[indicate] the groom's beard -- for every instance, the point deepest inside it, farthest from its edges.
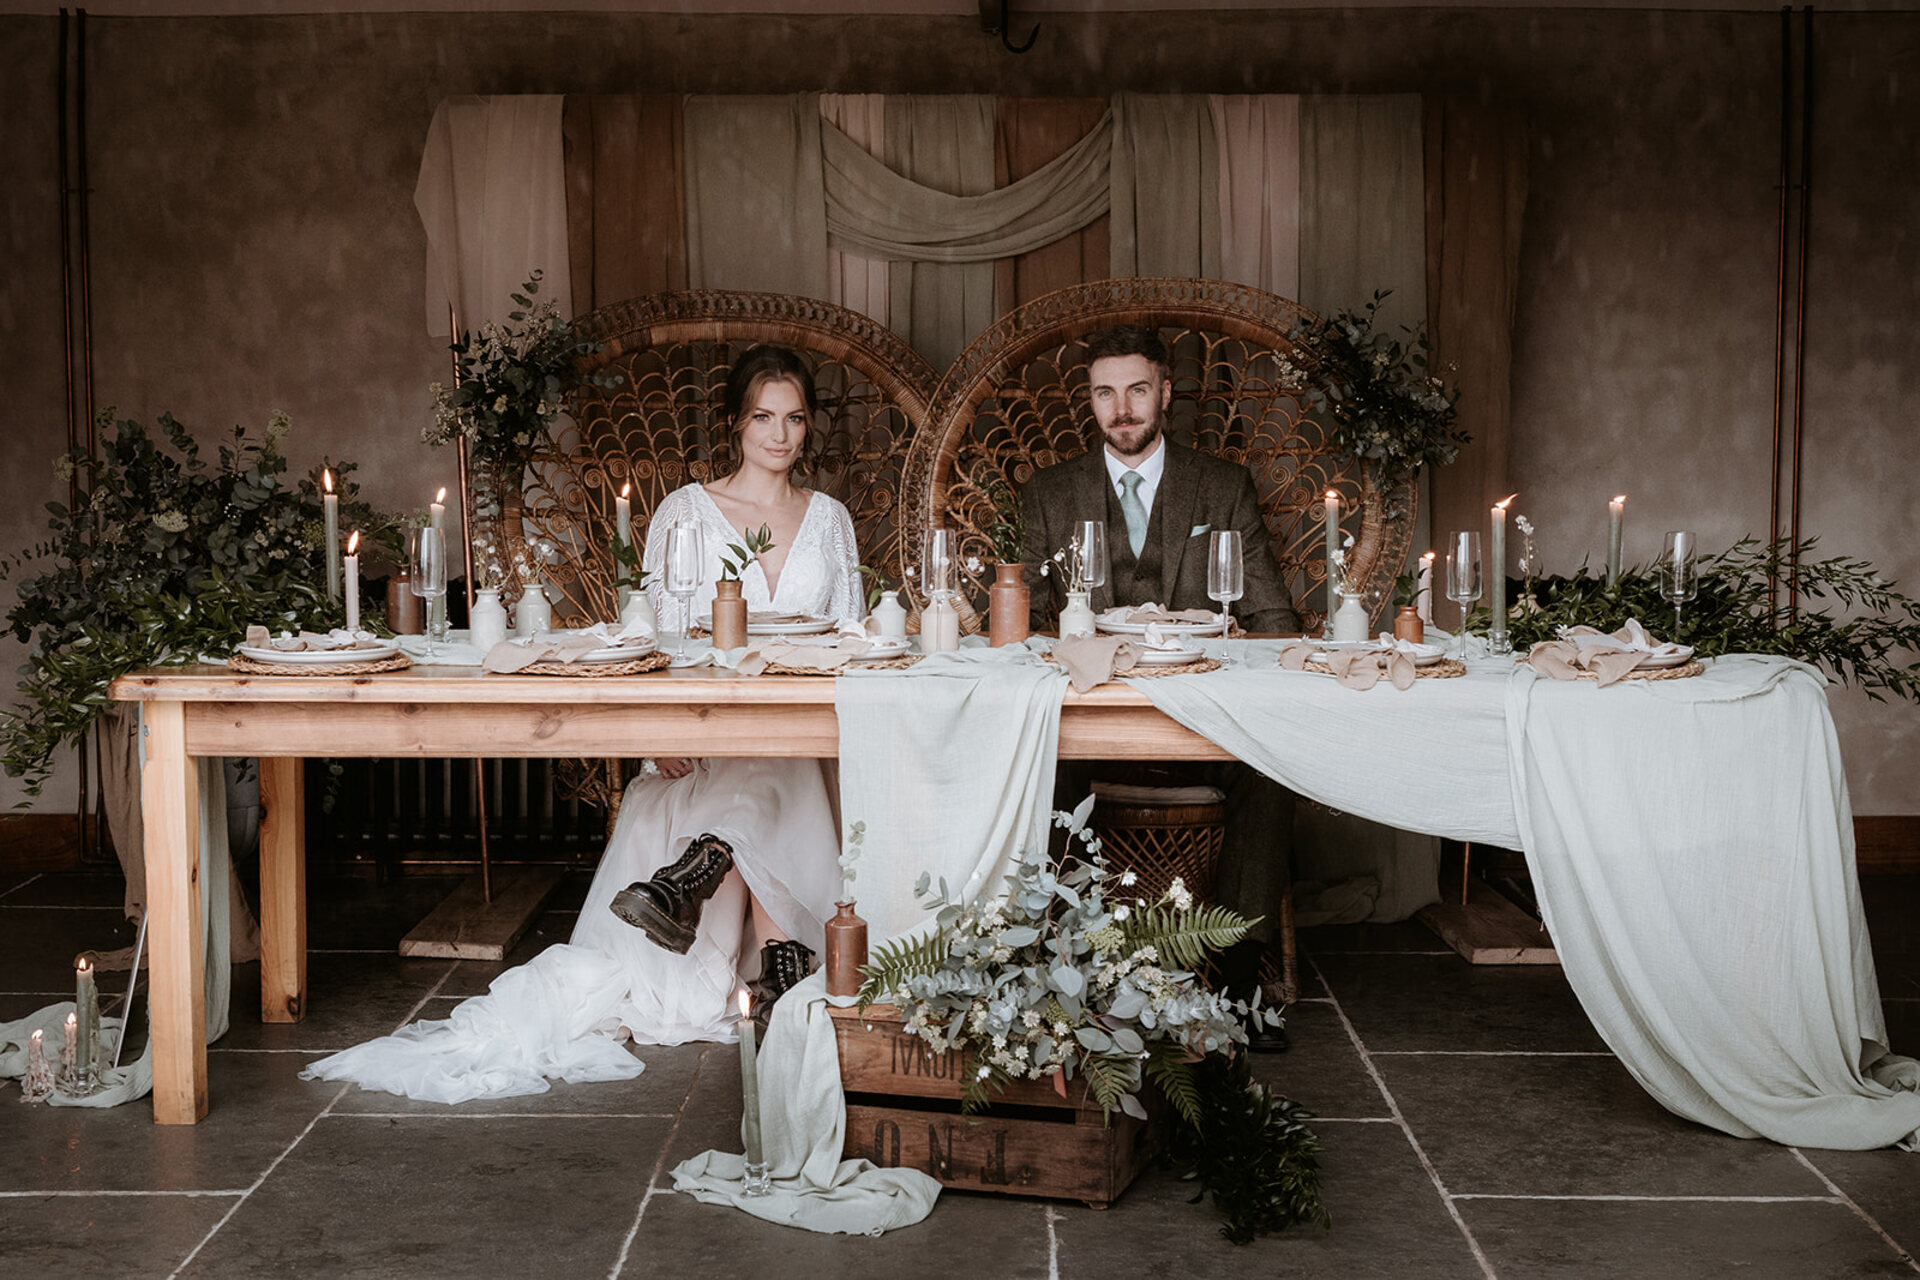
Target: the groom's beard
(1130, 438)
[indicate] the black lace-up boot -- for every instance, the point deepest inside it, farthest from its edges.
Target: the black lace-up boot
(667, 907)
(782, 966)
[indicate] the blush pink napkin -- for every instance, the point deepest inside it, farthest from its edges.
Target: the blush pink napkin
(816, 657)
(311, 641)
(1354, 668)
(1608, 664)
(1092, 660)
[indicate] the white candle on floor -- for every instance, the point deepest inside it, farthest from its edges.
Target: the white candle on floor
(749, 1086)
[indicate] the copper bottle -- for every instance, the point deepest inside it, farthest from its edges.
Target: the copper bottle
(1407, 625)
(729, 615)
(1007, 603)
(846, 951)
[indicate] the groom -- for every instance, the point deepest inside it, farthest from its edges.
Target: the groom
(1160, 502)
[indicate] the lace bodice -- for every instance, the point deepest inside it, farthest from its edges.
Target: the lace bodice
(820, 576)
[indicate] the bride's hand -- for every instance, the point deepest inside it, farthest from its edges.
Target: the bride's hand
(678, 768)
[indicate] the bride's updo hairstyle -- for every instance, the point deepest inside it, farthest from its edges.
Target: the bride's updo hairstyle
(753, 371)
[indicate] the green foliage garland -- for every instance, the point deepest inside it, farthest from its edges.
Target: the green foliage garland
(164, 559)
(1860, 644)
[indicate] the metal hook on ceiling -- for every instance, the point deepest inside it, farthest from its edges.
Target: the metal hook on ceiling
(998, 24)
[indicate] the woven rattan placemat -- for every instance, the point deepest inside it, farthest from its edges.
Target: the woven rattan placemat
(637, 667)
(1681, 672)
(248, 667)
(878, 664)
(1445, 669)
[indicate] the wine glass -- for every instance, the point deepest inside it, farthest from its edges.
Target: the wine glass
(1463, 572)
(1226, 580)
(427, 566)
(1679, 574)
(685, 568)
(1093, 552)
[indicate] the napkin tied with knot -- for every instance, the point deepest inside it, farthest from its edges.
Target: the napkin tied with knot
(312, 641)
(515, 655)
(1354, 668)
(1608, 658)
(1092, 660)
(816, 657)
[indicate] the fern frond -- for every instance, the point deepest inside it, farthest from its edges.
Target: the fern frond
(1168, 1068)
(892, 963)
(1184, 939)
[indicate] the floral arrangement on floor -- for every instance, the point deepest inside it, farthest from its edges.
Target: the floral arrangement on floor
(512, 382)
(163, 559)
(1062, 973)
(1861, 642)
(1387, 406)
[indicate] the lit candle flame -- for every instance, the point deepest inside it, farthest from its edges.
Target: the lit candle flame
(1426, 561)
(326, 478)
(743, 1002)
(442, 495)
(85, 966)
(626, 488)
(1502, 504)
(353, 542)
(1333, 493)
(72, 1022)
(1620, 498)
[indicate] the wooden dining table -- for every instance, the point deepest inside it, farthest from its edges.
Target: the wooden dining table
(451, 711)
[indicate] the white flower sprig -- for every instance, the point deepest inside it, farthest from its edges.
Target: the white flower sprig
(1071, 562)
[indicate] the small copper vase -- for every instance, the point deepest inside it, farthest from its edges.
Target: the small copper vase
(846, 951)
(1007, 602)
(729, 615)
(1407, 625)
(404, 613)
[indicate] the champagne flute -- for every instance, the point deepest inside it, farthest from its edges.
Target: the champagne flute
(1093, 552)
(937, 563)
(1463, 572)
(427, 566)
(1679, 574)
(685, 568)
(1226, 580)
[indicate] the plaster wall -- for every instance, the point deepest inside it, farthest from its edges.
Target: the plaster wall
(255, 246)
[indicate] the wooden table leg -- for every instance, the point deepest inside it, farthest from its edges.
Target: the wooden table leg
(283, 889)
(177, 964)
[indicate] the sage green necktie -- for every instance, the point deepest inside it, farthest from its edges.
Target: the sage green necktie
(1132, 508)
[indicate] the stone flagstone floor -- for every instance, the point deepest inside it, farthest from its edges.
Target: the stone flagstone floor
(1473, 1126)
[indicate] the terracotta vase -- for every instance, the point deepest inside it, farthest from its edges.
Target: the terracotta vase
(729, 615)
(1407, 625)
(1007, 602)
(404, 614)
(846, 951)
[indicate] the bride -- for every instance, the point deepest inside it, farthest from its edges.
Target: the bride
(706, 859)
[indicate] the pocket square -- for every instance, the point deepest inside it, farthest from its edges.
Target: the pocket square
(1199, 529)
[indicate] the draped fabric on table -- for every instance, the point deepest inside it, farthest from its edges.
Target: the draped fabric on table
(1703, 900)
(134, 1080)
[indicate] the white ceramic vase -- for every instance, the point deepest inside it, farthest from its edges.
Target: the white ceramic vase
(487, 620)
(1077, 618)
(639, 609)
(1350, 620)
(890, 616)
(534, 615)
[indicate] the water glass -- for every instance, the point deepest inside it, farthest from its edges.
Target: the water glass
(427, 567)
(685, 569)
(1463, 572)
(1092, 536)
(937, 562)
(1679, 574)
(1226, 581)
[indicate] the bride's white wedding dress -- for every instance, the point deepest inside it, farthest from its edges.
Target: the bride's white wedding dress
(564, 1014)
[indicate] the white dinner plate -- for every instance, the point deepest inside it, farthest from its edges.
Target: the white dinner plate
(1166, 628)
(618, 652)
(1660, 662)
(810, 627)
(1166, 657)
(885, 647)
(318, 657)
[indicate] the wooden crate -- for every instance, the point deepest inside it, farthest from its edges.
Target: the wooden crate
(903, 1109)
